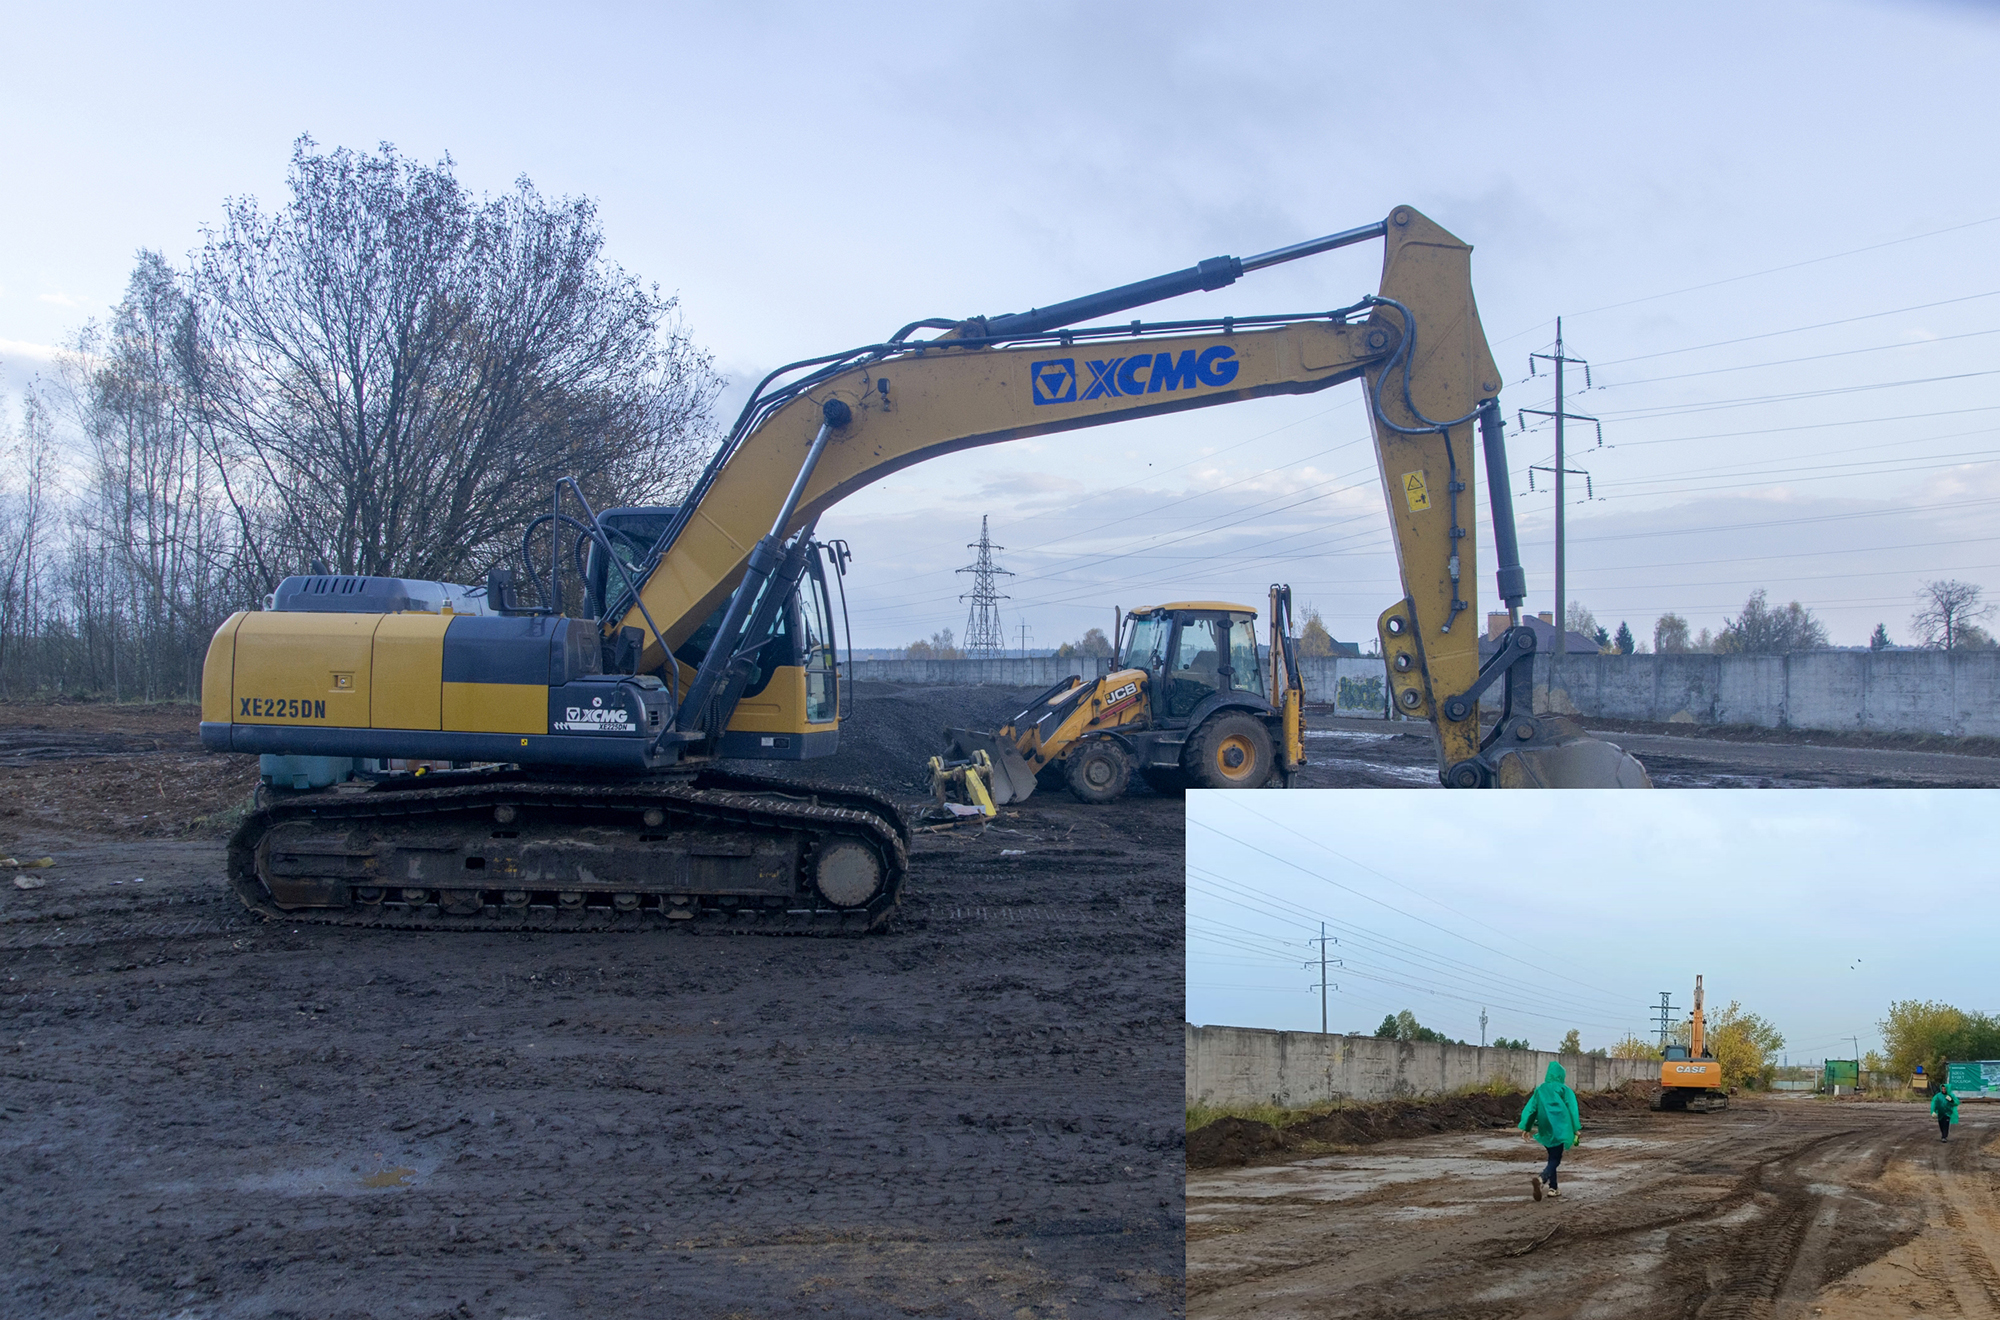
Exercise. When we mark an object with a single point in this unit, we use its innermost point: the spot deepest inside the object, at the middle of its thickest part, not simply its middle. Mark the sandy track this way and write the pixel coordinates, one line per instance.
(1772, 1209)
(972, 1113)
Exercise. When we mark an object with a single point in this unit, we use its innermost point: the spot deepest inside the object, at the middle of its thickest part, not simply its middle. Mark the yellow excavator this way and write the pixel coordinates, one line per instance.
(593, 793)
(1184, 706)
(1690, 1076)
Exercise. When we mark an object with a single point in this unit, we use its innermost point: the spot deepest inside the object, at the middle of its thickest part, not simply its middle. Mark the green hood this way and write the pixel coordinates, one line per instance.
(1551, 1112)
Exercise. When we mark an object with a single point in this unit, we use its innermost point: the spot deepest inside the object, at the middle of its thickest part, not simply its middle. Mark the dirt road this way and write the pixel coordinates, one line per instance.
(1357, 753)
(1775, 1208)
(974, 1113)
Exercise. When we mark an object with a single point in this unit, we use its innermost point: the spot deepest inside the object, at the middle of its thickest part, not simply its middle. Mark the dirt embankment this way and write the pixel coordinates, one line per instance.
(1231, 1142)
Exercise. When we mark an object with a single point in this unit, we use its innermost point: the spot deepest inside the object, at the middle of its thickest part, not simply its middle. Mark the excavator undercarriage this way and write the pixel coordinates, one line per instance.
(709, 851)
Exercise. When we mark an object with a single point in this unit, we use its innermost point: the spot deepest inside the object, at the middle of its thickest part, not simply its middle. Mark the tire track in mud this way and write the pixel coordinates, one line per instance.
(1748, 1219)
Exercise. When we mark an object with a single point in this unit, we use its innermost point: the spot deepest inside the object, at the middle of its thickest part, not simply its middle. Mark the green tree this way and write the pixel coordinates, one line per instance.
(1635, 1047)
(1762, 630)
(1572, 1043)
(1502, 1043)
(1670, 635)
(1404, 1026)
(1879, 639)
(1743, 1044)
(1314, 639)
(939, 647)
(1925, 1032)
(1623, 639)
(1093, 644)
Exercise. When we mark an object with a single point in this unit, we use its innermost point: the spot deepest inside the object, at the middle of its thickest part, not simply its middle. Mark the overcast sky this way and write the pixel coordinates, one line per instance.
(1815, 910)
(1773, 230)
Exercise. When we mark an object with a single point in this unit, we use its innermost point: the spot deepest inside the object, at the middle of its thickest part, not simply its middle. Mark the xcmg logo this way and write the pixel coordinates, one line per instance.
(1055, 379)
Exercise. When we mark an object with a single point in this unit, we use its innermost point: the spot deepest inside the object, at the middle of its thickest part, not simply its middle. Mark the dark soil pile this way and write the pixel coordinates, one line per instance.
(1232, 1142)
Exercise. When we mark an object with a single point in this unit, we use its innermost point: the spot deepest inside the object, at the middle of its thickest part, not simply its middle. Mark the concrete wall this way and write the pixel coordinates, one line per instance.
(1954, 692)
(1295, 1069)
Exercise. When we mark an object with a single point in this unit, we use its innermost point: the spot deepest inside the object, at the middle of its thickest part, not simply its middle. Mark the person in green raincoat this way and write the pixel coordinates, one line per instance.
(1944, 1106)
(1550, 1118)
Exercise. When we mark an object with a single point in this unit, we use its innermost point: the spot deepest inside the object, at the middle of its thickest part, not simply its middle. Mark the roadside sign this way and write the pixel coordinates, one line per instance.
(1978, 1080)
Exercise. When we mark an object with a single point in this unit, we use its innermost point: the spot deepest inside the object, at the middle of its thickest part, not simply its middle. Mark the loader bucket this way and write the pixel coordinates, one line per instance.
(1567, 757)
(1013, 778)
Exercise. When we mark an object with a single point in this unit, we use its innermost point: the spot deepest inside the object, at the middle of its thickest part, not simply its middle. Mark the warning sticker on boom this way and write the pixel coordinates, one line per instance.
(1416, 492)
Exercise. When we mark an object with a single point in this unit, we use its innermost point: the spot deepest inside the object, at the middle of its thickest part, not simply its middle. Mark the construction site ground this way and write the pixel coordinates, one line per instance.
(1796, 1209)
(1346, 752)
(202, 1114)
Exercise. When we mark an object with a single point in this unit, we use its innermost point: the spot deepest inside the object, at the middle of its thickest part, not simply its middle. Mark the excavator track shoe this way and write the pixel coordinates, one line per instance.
(714, 851)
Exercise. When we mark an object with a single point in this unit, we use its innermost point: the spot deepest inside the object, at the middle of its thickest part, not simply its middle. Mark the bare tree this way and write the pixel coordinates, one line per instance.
(394, 374)
(1762, 630)
(27, 466)
(1947, 613)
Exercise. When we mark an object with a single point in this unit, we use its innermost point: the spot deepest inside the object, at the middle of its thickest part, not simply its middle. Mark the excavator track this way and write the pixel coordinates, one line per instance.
(708, 852)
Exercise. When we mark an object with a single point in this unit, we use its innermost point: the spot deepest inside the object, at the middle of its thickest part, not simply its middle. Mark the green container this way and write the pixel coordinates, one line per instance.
(1843, 1072)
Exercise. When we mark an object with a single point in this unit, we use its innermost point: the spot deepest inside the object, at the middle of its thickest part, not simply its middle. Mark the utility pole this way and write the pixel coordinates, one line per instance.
(1665, 1014)
(1323, 986)
(1025, 631)
(1482, 1026)
(1561, 360)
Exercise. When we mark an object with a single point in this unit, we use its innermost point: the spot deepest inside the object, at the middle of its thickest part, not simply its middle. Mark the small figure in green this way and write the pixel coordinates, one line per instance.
(1550, 1118)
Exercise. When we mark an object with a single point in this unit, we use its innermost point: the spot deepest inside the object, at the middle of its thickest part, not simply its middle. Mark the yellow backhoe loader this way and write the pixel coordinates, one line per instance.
(1690, 1077)
(599, 799)
(1185, 705)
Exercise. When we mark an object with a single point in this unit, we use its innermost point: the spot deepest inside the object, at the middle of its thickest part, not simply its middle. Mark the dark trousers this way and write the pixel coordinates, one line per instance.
(1555, 1158)
(1944, 1126)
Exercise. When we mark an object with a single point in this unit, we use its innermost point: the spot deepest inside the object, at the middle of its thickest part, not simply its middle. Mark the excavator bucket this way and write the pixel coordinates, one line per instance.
(1013, 778)
(1564, 756)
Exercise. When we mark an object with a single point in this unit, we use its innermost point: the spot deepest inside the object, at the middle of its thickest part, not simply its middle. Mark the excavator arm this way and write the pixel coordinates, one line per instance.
(843, 422)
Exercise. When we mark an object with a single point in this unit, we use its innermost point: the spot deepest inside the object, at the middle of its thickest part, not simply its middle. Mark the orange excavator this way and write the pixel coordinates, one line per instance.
(1690, 1076)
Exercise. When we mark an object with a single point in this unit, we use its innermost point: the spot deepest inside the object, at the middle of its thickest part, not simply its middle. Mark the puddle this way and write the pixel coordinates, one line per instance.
(397, 1177)
(1349, 735)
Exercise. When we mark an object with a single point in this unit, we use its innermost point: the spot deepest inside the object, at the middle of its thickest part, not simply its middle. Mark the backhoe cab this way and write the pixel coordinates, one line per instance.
(1185, 705)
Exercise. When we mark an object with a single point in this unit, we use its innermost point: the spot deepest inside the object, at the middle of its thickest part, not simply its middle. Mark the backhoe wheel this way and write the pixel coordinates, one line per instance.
(1232, 750)
(1099, 771)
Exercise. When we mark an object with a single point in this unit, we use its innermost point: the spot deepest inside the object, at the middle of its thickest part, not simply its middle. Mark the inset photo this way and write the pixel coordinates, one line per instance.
(1556, 1054)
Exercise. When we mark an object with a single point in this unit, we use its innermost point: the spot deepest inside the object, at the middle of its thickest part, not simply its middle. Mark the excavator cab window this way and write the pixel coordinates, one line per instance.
(1196, 665)
(816, 645)
(632, 533)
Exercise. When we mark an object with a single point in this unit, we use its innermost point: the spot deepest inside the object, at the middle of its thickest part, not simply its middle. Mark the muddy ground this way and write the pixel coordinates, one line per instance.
(974, 1113)
(1773, 1208)
(1365, 753)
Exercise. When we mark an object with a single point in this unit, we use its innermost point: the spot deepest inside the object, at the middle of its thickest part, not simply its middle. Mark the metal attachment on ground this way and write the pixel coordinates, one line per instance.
(974, 775)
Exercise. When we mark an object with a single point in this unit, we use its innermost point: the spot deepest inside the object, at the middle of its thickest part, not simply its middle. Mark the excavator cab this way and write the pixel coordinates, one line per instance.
(788, 708)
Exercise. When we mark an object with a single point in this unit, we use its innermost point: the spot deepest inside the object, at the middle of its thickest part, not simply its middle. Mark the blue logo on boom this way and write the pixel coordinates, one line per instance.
(1055, 380)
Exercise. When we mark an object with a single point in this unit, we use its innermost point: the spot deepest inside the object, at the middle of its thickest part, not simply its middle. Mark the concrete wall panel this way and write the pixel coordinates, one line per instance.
(1247, 1066)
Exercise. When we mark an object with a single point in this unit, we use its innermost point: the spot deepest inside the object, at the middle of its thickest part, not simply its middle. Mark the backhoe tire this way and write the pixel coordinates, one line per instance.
(1098, 771)
(1232, 750)
(1167, 781)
